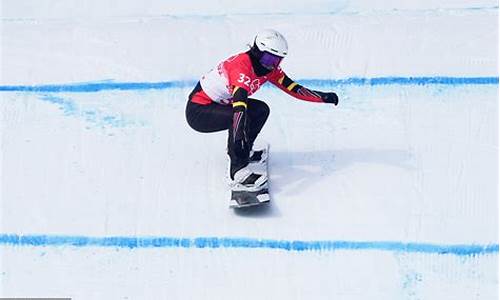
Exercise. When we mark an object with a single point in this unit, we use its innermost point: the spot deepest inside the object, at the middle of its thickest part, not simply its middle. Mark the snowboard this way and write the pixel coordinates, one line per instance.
(252, 195)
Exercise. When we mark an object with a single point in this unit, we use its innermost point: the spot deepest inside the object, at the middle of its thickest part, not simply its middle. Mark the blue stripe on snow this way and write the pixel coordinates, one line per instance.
(249, 243)
(125, 86)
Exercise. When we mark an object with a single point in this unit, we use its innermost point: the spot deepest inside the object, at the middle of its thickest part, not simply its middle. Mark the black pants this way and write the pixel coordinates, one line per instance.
(217, 117)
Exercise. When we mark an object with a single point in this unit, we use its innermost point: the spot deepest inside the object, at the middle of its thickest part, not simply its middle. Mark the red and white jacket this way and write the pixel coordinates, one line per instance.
(219, 83)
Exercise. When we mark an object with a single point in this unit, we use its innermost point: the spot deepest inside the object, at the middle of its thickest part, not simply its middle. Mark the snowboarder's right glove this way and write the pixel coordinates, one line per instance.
(329, 97)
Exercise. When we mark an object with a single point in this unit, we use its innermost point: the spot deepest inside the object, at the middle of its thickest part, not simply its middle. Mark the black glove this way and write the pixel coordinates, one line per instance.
(240, 140)
(329, 97)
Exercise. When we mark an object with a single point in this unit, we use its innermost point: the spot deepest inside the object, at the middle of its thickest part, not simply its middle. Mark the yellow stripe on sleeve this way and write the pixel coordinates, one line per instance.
(291, 86)
(239, 103)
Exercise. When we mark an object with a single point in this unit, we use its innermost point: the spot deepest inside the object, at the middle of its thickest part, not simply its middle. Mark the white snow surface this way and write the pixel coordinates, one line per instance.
(403, 163)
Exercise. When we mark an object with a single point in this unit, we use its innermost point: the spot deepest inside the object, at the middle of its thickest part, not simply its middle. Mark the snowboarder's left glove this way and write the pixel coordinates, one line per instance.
(329, 97)
(240, 140)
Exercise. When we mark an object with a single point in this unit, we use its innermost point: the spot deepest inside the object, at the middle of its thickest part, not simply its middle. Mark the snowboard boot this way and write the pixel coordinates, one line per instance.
(258, 156)
(248, 178)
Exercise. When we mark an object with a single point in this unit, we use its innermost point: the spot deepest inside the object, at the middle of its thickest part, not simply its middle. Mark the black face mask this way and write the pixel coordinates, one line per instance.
(255, 56)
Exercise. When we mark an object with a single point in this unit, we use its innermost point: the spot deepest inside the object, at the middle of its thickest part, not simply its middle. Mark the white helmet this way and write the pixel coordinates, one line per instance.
(271, 41)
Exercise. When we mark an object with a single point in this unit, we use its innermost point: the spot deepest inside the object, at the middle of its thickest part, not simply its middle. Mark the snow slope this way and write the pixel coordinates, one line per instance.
(106, 193)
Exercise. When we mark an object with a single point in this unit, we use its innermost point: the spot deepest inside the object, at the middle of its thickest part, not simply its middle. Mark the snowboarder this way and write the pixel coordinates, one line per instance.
(220, 100)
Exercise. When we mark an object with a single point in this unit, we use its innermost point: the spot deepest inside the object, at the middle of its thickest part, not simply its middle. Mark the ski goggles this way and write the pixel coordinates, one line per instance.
(270, 61)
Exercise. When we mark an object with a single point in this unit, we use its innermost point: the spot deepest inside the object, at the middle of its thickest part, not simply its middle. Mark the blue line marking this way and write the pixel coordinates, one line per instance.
(96, 87)
(97, 117)
(245, 243)
(404, 81)
(356, 81)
